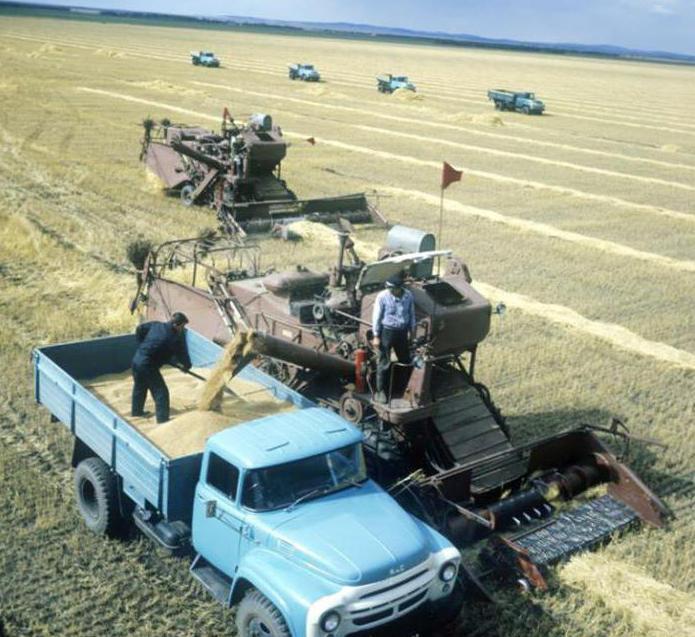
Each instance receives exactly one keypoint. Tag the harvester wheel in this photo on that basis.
(257, 616)
(351, 408)
(96, 493)
(187, 194)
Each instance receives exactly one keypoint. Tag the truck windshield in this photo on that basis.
(309, 67)
(400, 78)
(282, 485)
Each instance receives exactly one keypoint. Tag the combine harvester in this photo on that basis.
(238, 173)
(439, 444)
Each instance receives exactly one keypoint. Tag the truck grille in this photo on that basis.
(404, 594)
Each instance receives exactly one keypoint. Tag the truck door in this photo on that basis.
(217, 520)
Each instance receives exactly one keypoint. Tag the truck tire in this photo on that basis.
(257, 616)
(96, 493)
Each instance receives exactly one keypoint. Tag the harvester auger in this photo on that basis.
(439, 443)
(238, 172)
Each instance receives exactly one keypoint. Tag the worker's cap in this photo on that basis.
(395, 281)
(179, 318)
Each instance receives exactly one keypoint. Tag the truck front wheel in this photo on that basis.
(257, 616)
(96, 493)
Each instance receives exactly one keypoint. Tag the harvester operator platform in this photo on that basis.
(159, 343)
(393, 324)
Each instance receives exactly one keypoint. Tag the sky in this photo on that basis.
(666, 25)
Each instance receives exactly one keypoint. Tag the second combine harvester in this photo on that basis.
(238, 172)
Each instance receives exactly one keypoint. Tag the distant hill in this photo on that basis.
(466, 38)
(350, 30)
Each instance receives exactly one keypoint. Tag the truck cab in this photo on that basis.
(306, 72)
(204, 58)
(389, 83)
(527, 103)
(287, 524)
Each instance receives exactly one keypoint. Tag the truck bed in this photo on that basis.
(62, 377)
(188, 429)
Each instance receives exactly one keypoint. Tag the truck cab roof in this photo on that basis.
(284, 437)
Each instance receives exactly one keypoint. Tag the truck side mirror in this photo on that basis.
(210, 508)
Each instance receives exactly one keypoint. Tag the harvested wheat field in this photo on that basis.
(581, 221)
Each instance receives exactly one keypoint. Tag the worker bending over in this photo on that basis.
(393, 324)
(158, 343)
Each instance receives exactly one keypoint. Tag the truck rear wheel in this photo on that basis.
(96, 493)
(257, 616)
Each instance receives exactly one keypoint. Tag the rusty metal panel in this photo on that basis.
(166, 164)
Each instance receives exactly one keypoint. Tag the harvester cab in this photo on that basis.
(438, 443)
(237, 172)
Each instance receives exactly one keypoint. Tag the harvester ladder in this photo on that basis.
(227, 306)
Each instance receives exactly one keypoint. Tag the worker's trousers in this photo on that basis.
(396, 340)
(149, 378)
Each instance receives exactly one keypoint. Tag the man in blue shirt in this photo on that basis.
(158, 343)
(393, 324)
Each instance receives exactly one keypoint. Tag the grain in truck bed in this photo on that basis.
(188, 428)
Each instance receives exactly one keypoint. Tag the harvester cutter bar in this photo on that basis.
(579, 529)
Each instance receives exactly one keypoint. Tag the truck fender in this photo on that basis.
(80, 452)
(290, 588)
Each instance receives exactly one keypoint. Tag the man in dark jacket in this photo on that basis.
(158, 343)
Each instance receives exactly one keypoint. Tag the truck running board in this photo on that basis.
(212, 579)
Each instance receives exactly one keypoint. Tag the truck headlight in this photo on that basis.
(448, 571)
(330, 621)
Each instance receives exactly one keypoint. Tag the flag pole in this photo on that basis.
(441, 217)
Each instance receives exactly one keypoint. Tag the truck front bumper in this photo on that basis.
(364, 608)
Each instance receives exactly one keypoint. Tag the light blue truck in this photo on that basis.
(389, 83)
(521, 102)
(204, 58)
(279, 511)
(305, 72)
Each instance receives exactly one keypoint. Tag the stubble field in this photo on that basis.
(581, 221)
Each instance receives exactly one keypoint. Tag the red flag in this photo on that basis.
(312, 141)
(450, 175)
